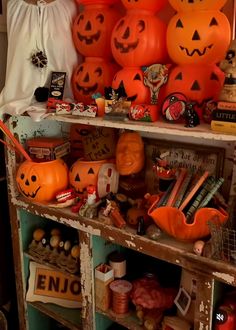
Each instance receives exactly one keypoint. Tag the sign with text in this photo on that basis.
(53, 286)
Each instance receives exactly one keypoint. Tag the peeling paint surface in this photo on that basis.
(86, 274)
(201, 307)
(177, 261)
(111, 238)
(226, 277)
(130, 244)
(208, 284)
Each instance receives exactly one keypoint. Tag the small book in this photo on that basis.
(226, 105)
(223, 126)
(175, 190)
(212, 192)
(193, 191)
(224, 115)
(183, 188)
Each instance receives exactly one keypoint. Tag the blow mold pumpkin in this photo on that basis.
(152, 5)
(197, 82)
(132, 80)
(202, 38)
(84, 173)
(139, 39)
(188, 5)
(95, 2)
(91, 77)
(40, 182)
(92, 30)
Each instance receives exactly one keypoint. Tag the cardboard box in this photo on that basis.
(46, 148)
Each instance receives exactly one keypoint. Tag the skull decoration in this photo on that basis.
(202, 38)
(228, 65)
(40, 182)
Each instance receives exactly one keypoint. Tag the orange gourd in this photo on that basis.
(91, 77)
(40, 182)
(92, 30)
(152, 5)
(202, 38)
(139, 39)
(132, 79)
(186, 5)
(197, 82)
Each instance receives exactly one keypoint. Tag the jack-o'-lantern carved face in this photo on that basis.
(41, 182)
(84, 173)
(139, 39)
(152, 5)
(129, 153)
(202, 38)
(132, 79)
(197, 82)
(91, 77)
(186, 5)
(92, 31)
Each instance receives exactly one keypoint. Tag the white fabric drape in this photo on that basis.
(43, 27)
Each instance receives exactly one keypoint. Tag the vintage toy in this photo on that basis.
(129, 153)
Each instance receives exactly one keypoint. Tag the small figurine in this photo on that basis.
(89, 207)
(155, 76)
(190, 115)
(202, 248)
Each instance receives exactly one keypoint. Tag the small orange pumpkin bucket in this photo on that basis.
(40, 182)
(173, 221)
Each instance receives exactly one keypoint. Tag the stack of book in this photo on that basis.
(224, 117)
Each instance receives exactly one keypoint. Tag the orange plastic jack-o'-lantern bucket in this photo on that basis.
(40, 182)
(186, 5)
(202, 38)
(85, 172)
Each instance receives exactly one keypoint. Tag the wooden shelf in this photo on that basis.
(166, 248)
(160, 128)
(130, 320)
(68, 317)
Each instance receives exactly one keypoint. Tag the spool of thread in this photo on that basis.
(120, 296)
(118, 264)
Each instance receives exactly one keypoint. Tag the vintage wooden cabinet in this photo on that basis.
(98, 240)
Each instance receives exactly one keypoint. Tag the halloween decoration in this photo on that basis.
(151, 5)
(198, 83)
(91, 77)
(155, 76)
(139, 39)
(38, 53)
(83, 173)
(228, 65)
(92, 2)
(202, 38)
(108, 180)
(116, 104)
(132, 80)
(41, 94)
(191, 115)
(174, 106)
(129, 153)
(144, 112)
(92, 30)
(40, 182)
(189, 5)
(172, 221)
